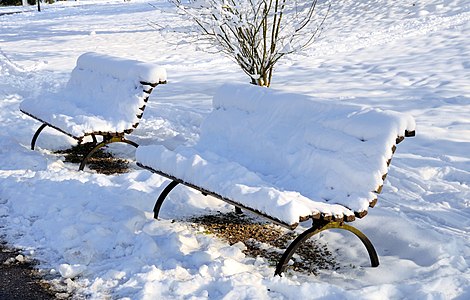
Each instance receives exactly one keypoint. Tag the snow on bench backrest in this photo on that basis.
(110, 86)
(326, 150)
(104, 94)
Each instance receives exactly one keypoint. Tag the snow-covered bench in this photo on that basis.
(105, 96)
(287, 157)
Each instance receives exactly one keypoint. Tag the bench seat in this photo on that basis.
(287, 156)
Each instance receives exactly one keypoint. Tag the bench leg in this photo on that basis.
(161, 198)
(316, 228)
(93, 137)
(36, 134)
(105, 142)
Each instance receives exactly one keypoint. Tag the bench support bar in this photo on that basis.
(171, 186)
(161, 198)
(36, 134)
(106, 140)
(317, 227)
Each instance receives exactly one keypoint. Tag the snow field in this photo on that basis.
(96, 232)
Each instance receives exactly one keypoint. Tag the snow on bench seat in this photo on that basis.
(104, 94)
(286, 155)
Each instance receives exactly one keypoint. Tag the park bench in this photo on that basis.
(105, 97)
(288, 158)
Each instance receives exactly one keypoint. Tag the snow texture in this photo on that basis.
(104, 94)
(95, 234)
(286, 155)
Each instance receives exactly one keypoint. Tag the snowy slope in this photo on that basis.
(96, 232)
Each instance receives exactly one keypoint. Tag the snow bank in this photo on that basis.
(287, 155)
(103, 94)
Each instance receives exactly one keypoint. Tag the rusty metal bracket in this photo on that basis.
(106, 141)
(317, 227)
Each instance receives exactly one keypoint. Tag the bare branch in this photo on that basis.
(256, 34)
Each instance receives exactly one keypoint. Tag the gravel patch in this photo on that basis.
(101, 161)
(267, 240)
(19, 279)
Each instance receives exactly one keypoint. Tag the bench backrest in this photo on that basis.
(113, 87)
(342, 150)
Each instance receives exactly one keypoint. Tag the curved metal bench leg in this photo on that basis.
(316, 228)
(161, 198)
(374, 258)
(92, 151)
(102, 144)
(36, 134)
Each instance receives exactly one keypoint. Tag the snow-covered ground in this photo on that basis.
(97, 232)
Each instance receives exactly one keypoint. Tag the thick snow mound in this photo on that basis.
(121, 68)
